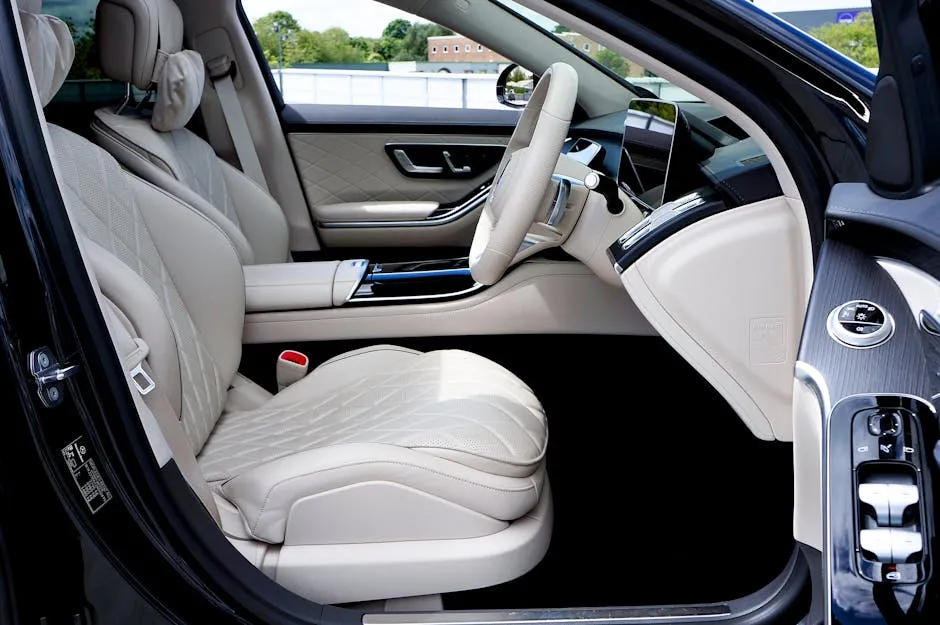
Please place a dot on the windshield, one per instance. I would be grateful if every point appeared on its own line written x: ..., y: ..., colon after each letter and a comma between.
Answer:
x: 629, y: 71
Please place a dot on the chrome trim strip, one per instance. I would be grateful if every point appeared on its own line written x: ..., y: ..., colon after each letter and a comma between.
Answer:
x: 418, y: 298
x: 409, y: 275
x: 553, y: 617
x: 407, y: 164
x: 561, y: 202
x: 454, y: 214
x: 364, y: 263
x: 812, y: 378
x: 450, y: 164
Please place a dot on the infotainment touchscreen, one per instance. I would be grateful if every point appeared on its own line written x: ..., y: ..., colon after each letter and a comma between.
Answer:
x: 648, y: 133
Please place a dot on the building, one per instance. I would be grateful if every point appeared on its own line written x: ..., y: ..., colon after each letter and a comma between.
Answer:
x: 582, y: 43
x: 807, y: 20
x: 592, y: 48
x: 460, y: 49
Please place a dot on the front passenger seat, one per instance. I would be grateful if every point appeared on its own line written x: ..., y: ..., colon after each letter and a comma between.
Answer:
x: 385, y: 473
x: 140, y: 43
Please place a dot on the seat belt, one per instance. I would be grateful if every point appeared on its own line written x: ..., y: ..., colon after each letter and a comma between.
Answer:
x: 221, y: 70
x: 158, y: 416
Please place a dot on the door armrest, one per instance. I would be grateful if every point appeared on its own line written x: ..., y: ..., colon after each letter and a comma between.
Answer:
x: 364, y: 212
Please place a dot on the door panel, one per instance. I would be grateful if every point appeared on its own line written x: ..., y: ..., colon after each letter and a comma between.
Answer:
x: 346, y: 168
x: 378, y: 176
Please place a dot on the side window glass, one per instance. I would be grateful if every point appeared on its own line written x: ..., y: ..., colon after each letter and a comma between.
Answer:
x: 368, y: 53
x: 85, y: 83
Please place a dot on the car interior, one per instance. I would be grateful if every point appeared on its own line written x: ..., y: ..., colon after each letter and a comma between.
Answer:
x: 420, y: 360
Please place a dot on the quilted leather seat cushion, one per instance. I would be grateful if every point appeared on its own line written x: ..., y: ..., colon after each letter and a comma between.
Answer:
x: 451, y: 404
x: 448, y: 423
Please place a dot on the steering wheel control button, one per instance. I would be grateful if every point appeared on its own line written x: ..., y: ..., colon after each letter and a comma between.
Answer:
x: 860, y: 324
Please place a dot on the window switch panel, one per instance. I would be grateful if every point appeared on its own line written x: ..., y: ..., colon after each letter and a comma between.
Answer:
x: 891, y: 545
x: 889, y: 501
x: 900, y: 498
x: 876, y: 496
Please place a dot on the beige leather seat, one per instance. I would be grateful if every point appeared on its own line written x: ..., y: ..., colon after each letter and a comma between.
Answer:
x: 140, y: 42
x: 385, y: 472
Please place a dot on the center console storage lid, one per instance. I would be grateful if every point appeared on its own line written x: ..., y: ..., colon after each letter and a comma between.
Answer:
x: 300, y: 286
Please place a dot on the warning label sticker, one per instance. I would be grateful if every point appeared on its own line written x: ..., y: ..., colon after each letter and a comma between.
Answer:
x: 86, y: 475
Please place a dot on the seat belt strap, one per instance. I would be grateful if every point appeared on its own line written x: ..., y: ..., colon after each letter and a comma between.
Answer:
x: 221, y: 70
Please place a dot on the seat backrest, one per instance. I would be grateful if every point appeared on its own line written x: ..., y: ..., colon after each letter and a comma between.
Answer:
x: 140, y: 43
x: 172, y: 272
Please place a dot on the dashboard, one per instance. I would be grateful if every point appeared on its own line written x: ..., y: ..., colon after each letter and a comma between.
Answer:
x: 714, y: 166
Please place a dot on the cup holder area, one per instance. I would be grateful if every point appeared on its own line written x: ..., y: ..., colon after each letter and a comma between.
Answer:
x: 434, y: 280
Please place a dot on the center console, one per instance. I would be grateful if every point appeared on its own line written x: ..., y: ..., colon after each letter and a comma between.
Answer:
x: 330, y: 284
x: 415, y: 281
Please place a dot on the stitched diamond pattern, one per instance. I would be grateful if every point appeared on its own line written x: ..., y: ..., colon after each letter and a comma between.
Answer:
x: 444, y: 401
x: 355, y: 168
x: 104, y: 204
x: 198, y: 168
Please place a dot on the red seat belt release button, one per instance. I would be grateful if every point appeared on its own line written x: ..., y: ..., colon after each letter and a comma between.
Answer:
x: 291, y: 366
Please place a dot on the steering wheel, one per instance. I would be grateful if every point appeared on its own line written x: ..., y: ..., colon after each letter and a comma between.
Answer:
x: 524, y: 174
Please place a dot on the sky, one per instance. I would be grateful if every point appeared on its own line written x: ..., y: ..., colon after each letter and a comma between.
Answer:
x: 360, y: 18
x: 367, y: 18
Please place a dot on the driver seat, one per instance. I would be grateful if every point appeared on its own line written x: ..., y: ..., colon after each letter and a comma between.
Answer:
x: 141, y: 43
x: 385, y: 473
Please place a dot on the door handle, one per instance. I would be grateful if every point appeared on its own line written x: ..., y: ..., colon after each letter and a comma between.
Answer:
x: 455, y: 170
x: 411, y: 168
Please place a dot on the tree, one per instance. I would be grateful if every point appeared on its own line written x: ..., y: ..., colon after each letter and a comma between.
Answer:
x: 335, y: 46
x: 397, y: 29
x: 516, y: 75
x: 560, y: 28
x: 855, y: 40
x: 414, y: 45
x: 266, y: 29
x: 86, y: 64
x: 613, y: 61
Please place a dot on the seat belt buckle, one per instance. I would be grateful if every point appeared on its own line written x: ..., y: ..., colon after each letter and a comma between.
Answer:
x: 291, y: 367
x: 142, y: 380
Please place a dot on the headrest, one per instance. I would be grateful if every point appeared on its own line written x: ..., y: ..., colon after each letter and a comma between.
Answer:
x: 51, y: 51
x: 179, y: 91
x: 135, y: 37
x: 30, y: 6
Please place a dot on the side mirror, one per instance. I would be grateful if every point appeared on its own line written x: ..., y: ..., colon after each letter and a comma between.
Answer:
x: 515, y: 85
x: 648, y: 133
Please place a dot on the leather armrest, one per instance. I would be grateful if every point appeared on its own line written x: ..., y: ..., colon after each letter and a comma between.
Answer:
x: 374, y: 211
x: 301, y: 286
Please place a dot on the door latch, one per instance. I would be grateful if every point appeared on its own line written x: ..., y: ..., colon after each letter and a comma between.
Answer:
x: 50, y: 376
